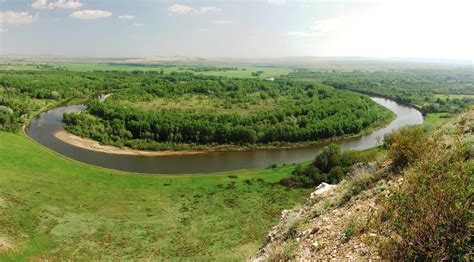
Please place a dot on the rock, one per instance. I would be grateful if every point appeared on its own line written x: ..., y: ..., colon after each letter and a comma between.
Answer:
x: 321, y: 189
x: 316, y: 245
x: 310, y: 231
x: 305, y: 254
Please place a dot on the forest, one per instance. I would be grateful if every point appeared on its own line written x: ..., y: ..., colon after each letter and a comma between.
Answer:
x: 297, y: 112
x: 157, y: 110
x: 418, y: 88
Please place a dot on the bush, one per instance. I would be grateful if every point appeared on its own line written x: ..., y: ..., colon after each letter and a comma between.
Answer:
x: 406, y: 145
x: 430, y: 217
x: 329, y: 158
x: 329, y: 166
x: 326, y: 167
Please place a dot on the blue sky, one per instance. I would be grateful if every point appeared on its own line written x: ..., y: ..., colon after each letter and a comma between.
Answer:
x: 259, y: 28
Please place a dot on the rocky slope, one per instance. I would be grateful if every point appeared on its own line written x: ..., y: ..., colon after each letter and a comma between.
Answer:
x: 335, y: 222
x: 326, y: 225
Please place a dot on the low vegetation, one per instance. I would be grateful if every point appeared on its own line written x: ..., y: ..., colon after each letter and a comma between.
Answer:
x: 406, y: 146
x: 56, y: 209
x: 430, y: 216
x: 330, y: 166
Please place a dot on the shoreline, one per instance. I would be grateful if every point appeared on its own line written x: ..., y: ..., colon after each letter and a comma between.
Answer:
x: 93, y: 145
x: 90, y: 144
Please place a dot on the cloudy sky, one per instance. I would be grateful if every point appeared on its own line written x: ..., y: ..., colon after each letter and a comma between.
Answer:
x: 238, y: 28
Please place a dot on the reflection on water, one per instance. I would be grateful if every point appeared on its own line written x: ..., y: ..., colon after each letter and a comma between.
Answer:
x: 43, y: 128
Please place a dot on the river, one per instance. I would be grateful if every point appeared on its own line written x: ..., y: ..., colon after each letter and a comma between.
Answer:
x: 44, y: 127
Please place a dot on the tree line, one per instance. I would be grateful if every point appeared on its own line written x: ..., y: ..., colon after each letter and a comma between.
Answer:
x: 307, y: 112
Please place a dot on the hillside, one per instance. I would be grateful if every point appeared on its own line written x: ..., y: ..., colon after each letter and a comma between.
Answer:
x: 53, y: 208
x: 418, y: 208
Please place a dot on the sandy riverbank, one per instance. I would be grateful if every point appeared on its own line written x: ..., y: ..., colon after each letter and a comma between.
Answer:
x: 96, y: 146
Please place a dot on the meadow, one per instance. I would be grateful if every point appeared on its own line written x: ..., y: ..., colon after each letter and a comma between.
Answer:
x: 238, y: 70
x: 54, y: 208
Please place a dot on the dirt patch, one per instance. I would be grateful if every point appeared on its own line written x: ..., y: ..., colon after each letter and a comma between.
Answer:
x: 96, y: 146
x: 5, y: 245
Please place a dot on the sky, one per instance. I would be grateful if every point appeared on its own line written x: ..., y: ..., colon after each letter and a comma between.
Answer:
x: 238, y: 28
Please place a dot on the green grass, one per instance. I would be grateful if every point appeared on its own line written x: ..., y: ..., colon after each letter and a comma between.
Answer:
x: 242, y: 72
x: 435, y: 118
x: 55, y: 208
x: 267, y: 72
x: 452, y: 96
x: 207, y: 103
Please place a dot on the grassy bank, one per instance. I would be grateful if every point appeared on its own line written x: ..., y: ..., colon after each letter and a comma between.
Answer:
x: 55, y: 208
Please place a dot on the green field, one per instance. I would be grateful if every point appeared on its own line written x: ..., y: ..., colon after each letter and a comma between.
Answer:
x: 205, y: 103
x: 437, y: 118
x: 54, y: 208
x: 242, y: 71
x: 452, y: 96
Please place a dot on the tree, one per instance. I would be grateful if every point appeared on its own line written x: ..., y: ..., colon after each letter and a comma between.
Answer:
x: 329, y: 158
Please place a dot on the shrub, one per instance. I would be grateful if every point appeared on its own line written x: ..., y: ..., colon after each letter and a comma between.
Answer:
x: 406, y: 145
x: 329, y: 167
x: 430, y: 217
x: 326, y: 167
x: 283, y: 252
x: 351, y: 157
x: 329, y: 158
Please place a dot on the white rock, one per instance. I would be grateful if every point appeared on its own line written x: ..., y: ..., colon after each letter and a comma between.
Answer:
x: 321, y: 189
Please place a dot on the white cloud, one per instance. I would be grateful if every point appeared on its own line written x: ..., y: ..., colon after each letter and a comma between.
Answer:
x: 138, y: 24
x: 277, y: 2
x: 221, y: 21
x: 302, y: 34
x: 11, y: 17
x: 207, y: 9
x: 323, y: 26
x: 3, y: 30
x: 389, y: 29
x: 90, y: 14
x: 126, y: 17
x: 178, y: 9
x: 40, y: 4
x: 62, y: 4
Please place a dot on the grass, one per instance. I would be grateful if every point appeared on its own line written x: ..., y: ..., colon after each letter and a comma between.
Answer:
x: 241, y: 72
x: 54, y: 208
x: 267, y: 72
x: 452, y: 96
x: 207, y: 103
x: 434, y: 118
x: 349, y: 231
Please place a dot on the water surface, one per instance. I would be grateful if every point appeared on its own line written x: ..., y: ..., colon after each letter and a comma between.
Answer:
x: 44, y: 127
